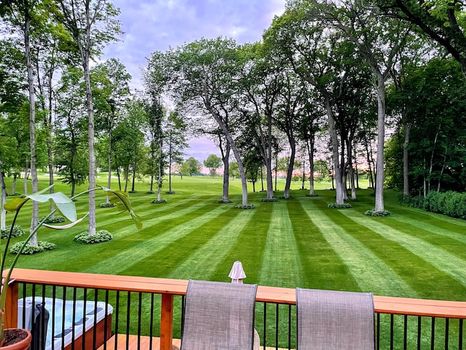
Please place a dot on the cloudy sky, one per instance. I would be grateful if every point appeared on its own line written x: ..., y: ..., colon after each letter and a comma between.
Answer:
x: 151, y: 25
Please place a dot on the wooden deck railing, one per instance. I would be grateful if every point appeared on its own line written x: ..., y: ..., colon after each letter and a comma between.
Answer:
x: 170, y: 288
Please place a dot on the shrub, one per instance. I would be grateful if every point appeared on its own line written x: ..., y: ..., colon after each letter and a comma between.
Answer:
x: 30, y: 249
x: 449, y: 203
x: 269, y: 200
x: 100, y: 237
x: 54, y: 220
x: 170, y: 192
x: 377, y: 213
x: 223, y: 201
x: 339, y: 206
x: 17, y: 231
x: 106, y: 205
x: 162, y: 201
x: 248, y: 206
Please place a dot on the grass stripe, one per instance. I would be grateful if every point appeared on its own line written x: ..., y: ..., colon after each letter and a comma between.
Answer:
x: 281, y: 265
x: 249, y: 247
x: 119, y: 262
x: 323, y: 268
x: 207, y: 258
x: 371, y: 272
x: 437, y: 257
x: 165, y: 260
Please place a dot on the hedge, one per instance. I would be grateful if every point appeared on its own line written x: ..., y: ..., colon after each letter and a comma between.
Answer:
x: 448, y: 203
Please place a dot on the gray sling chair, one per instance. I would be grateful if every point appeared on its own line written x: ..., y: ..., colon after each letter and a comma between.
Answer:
x: 219, y: 316
x: 329, y: 320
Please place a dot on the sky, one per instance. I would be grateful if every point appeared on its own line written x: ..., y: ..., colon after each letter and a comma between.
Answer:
x: 151, y: 25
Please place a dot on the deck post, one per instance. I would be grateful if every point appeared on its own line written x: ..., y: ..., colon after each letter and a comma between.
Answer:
x: 11, y: 312
x: 166, y: 322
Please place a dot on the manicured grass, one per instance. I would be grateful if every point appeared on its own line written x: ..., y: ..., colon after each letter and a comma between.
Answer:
x: 294, y: 243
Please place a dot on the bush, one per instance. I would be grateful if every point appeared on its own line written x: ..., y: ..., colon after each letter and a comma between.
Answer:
x: 54, y: 220
x: 248, y: 206
x: 339, y: 206
x: 223, y: 201
x: 106, y: 205
x: 377, y: 213
x: 170, y: 192
x: 269, y: 200
x: 162, y: 201
x: 30, y: 250
x: 100, y: 237
x: 17, y: 231
x: 448, y: 203
x: 16, y: 194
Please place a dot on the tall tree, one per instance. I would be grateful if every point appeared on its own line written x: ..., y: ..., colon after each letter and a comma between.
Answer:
x: 91, y: 24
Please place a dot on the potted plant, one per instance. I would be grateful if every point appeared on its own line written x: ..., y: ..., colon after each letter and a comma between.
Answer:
x: 20, y: 339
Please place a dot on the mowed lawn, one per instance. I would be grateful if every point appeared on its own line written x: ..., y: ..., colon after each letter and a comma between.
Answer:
x: 295, y: 243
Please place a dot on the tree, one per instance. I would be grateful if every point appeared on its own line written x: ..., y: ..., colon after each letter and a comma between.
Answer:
x: 176, y: 140
x: 70, y: 141
x: 111, y: 93
x: 191, y: 167
x: 378, y: 43
x: 91, y: 24
x: 213, y: 162
x: 441, y: 20
x: 204, y: 83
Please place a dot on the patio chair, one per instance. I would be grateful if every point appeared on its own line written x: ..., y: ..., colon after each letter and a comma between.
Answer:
x: 219, y: 316
x: 329, y: 320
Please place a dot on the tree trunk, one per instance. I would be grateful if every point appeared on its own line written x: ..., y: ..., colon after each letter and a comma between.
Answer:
x: 2, y: 202
x: 356, y: 168
x: 134, y: 178
x: 237, y: 154
x: 303, y: 178
x: 339, y: 197
x: 379, y: 180
x: 352, y: 181
x: 310, y: 152
x: 369, y: 164
x: 262, y: 178
x: 109, y: 160
x: 226, y: 174
x: 126, y: 178
x: 442, y: 170
x: 49, y: 128
x: 151, y: 189
x: 73, y: 188
x: 13, y: 185
x: 406, y: 161
x: 276, y: 172
x: 90, y: 116
x: 32, y: 129
x: 289, y: 171
x: 119, y: 179
x: 170, y: 190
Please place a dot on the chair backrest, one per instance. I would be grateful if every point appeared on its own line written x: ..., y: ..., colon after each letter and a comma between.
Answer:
x: 219, y: 316
x: 329, y: 320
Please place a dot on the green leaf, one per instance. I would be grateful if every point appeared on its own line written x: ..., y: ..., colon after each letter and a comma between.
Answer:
x: 12, y: 205
x: 63, y: 203
x: 64, y: 227
x: 121, y: 201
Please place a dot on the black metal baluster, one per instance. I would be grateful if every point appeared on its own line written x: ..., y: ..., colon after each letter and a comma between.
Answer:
x: 43, y: 337
x: 265, y: 325
x: 432, y: 336
x: 289, y: 327
x: 84, y: 320
x: 73, y: 320
x: 419, y: 326
x: 139, y: 319
x: 447, y: 331
x: 276, y: 326
x: 391, y: 331
x: 128, y: 315
x: 405, y: 332
x: 24, y: 306
x: 460, y: 340
x: 54, y: 298
x: 378, y: 332
x: 33, y: 310
x: 151, y: 321
x: 183, y: 305
x: 63, y: 314
x: 117, y: 307
x: 94, y: 330
x: 105, y: 320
